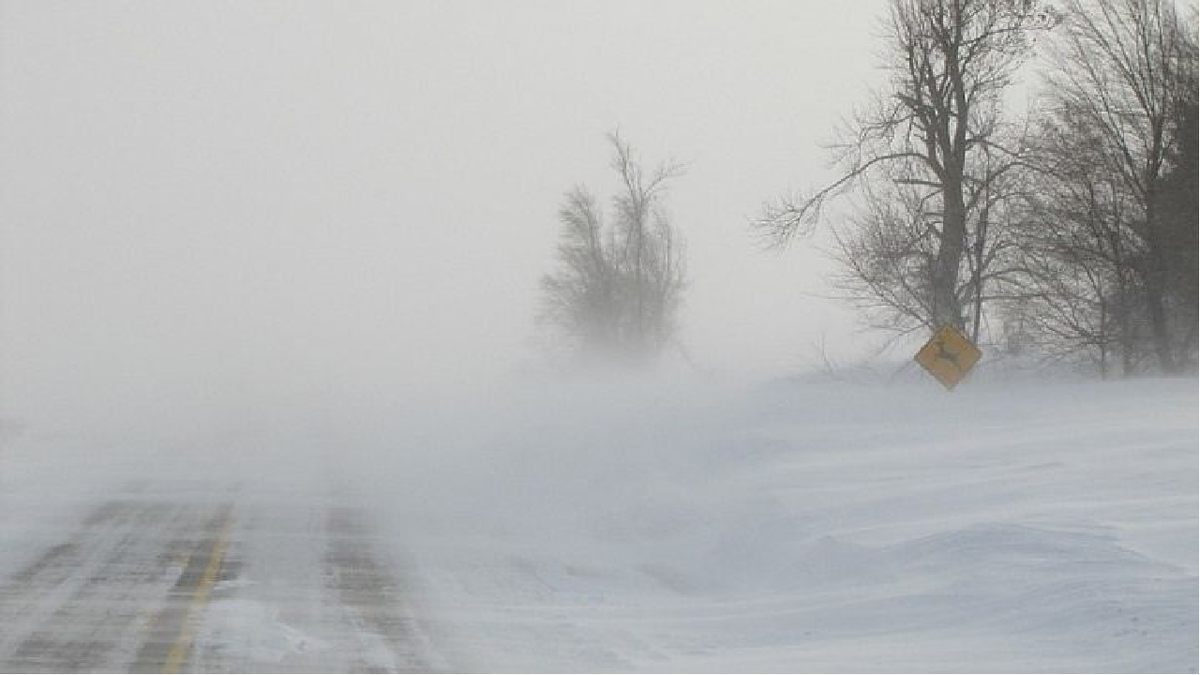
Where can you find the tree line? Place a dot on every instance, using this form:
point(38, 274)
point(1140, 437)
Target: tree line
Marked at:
point(1067, 232)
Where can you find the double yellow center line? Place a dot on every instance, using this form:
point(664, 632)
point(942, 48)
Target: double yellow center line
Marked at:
point(182, 647)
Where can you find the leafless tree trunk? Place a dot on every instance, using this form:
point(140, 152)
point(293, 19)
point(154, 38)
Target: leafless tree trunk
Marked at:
point(951, 62)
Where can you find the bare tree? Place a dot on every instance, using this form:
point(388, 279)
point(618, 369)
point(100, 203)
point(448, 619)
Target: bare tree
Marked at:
point(618, 287)
point(581, 298)
point(651, 255)
point(1124, 67)
point(1078, 248)
point(936, 130)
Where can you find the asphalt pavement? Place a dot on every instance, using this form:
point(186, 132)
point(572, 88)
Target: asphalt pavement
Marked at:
point(204, 580)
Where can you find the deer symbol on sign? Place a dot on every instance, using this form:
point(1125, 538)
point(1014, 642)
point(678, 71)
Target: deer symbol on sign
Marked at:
point(945, 354)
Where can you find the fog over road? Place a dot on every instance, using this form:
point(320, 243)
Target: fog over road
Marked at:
point(184, 577)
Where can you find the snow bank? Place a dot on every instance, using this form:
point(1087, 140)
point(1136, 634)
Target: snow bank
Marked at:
point(801, 527)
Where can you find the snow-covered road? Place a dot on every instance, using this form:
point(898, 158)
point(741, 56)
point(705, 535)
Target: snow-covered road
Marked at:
point(189, 577)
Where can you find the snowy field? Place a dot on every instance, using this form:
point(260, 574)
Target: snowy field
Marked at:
point(798, 526)
point(810, 527)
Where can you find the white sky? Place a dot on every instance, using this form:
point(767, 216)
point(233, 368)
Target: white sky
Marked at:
point(204, 198)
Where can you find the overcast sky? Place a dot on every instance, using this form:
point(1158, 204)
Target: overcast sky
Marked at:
point(198, 198)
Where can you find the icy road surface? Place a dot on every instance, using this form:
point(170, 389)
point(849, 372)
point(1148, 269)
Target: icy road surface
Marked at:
point(182, 577)
point(797, 527)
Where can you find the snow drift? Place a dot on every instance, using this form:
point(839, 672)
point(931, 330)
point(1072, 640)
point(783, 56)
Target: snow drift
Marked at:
point(807, 527)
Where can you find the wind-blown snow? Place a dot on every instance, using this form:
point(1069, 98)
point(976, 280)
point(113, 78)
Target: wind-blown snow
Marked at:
point(800, 526)
point(809, 527)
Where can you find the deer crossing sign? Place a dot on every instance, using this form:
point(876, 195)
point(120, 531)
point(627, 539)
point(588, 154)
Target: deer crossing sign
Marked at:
point(948, 356)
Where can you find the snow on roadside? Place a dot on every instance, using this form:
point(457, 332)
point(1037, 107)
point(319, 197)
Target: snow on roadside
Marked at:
point(805, 527)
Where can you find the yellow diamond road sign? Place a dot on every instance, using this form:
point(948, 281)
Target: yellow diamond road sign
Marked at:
point(949, 356)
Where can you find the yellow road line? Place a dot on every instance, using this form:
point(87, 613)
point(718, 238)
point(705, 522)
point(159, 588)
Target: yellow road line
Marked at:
point(183, 642)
